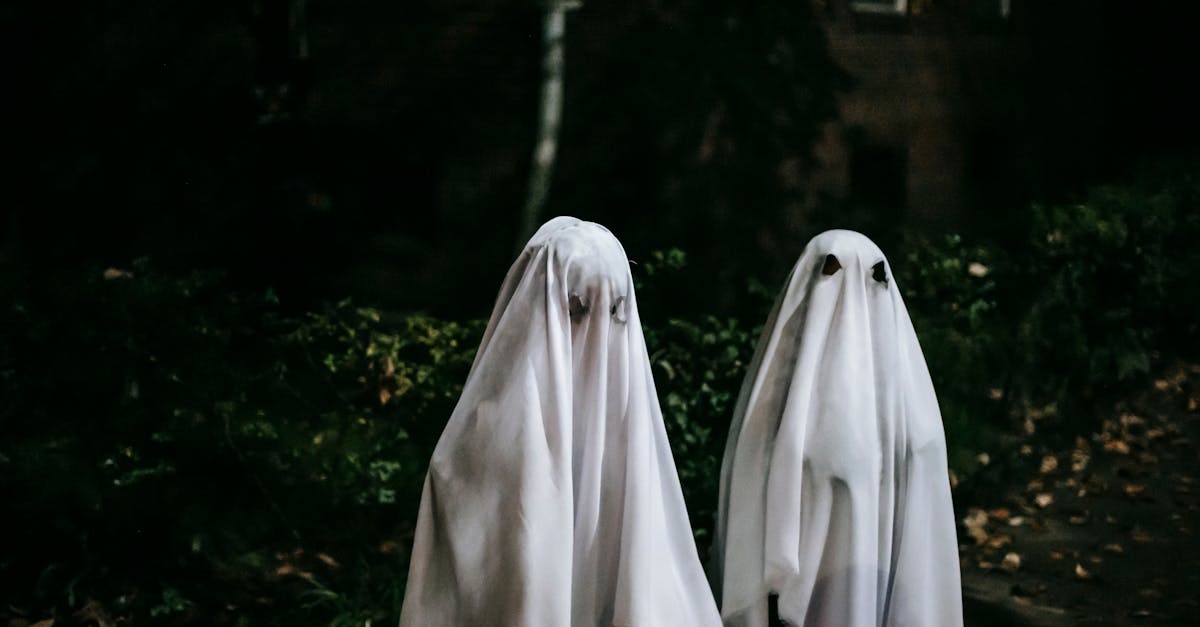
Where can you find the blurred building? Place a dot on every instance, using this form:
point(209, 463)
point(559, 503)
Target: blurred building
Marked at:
point(930, 121)
point(961, 109)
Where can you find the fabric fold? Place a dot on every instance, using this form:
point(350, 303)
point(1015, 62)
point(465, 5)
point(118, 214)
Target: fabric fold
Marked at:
point(835, 493)
point(552, 498)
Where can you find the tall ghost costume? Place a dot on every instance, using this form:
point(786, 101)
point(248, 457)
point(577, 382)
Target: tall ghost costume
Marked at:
point(835, 493)
point(552, 499)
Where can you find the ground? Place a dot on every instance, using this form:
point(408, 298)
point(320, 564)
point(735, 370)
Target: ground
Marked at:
point(1101, 531)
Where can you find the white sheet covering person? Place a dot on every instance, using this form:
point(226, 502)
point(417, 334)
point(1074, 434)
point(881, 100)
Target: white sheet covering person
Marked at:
point(552, 499)
point(834, 487)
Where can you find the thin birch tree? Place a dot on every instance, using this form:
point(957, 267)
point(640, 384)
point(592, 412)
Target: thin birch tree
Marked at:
point(550, 107)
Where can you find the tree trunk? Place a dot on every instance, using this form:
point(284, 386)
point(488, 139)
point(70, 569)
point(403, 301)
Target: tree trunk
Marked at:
point(549, 116)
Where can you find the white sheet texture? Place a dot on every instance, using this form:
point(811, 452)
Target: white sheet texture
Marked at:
point(552, 499)
point(834, 487)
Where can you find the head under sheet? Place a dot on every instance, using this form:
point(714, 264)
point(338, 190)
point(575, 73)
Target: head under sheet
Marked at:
point(834, 487)
point(552, 498)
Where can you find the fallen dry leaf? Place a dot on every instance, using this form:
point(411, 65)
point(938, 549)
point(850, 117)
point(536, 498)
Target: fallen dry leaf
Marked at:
point(1081, 572)
point(1129, 420)
point(1139, 535)
point(111, 274)
point(1114, 548)
point(975, 521)
point(1049, 464)
point(288, 570)
point(1016, 521)
point(1117, 446)
point(387, 547)
point(1044, 499)
point(999, 542)
point(1078, 520)
point(1134, 489)
point(999, 513)
point(1011, 563)
point(1079, 460)
point(1056, 555)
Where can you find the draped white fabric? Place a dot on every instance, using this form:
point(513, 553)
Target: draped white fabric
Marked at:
point(834, 488)
point(552, 499)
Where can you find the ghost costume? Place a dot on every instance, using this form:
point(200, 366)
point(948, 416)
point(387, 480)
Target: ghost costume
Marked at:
point(552, 499)
point(835, 493)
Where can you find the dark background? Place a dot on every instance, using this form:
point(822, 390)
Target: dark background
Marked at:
point(389, 161)
point(246, 248)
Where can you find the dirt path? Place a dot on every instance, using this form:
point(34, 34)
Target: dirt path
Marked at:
point(1103, 532)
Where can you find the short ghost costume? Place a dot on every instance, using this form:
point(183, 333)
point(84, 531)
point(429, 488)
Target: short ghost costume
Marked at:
point(835, 493)
point(552, 499)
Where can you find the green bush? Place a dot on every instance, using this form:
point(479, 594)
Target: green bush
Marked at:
point(950, 290)
point(190, 456)
point(1112, 287)
point(1097, 294)
point(698, 369)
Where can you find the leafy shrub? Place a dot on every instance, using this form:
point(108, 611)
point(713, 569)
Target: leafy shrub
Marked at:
point(698, 370)
point(698, 364)
point(1097, 294)
point(191, 456)
point(950, 290)
point(1112, 286)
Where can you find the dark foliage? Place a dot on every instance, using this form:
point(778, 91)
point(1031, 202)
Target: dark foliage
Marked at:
point(183, 453)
